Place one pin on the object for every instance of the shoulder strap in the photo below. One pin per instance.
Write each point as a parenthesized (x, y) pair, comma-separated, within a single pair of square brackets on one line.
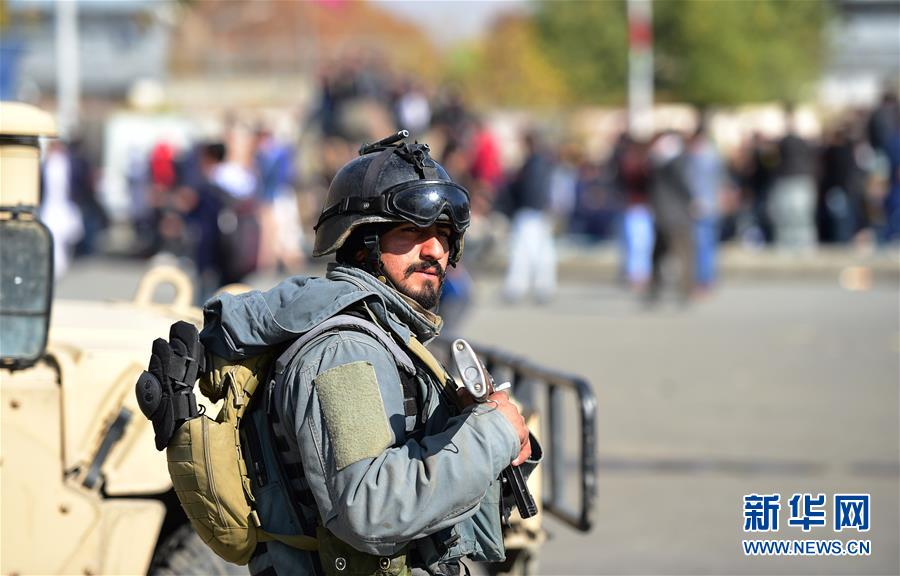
[(345, 321), (352, 322), (422, 353)]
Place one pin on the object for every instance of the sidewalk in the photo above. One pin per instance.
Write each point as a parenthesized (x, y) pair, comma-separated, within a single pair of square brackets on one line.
[(850, 266)]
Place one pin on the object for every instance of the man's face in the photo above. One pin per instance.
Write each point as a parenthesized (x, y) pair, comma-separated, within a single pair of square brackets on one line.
[(415, 260)]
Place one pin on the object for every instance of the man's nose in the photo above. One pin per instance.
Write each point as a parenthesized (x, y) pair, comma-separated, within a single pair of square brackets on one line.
[(433, 247)]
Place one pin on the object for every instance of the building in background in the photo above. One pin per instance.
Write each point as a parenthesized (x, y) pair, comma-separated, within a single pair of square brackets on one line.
[(864, 53), (119, 43)]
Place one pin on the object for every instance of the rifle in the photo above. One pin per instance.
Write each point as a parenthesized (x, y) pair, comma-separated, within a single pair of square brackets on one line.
[(480, 385)]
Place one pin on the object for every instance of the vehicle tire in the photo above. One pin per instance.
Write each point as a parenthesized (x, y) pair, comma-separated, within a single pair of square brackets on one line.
[(183, 553), (517, 563)]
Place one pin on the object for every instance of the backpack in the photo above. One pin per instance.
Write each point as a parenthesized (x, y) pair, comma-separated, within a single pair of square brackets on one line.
[(205, 460), (208, 471)]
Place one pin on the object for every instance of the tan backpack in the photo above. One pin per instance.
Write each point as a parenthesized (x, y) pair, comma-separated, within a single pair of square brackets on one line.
[(208, 469)]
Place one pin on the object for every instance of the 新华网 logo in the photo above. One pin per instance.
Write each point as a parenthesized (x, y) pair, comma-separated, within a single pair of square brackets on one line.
[(847, 512)]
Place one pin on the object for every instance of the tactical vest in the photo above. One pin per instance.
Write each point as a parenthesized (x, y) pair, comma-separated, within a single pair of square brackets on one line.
[(333, 556)]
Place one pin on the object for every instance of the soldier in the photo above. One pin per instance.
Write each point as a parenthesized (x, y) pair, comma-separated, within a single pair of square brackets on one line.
[(363, 445)]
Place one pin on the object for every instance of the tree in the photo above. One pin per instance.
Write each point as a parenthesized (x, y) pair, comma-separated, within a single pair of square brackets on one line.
[(705, 52), (710, 53), (508, 68), (587, 42)]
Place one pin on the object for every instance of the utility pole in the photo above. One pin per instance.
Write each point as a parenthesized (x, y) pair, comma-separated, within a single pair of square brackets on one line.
[(67, 61), (640, 69)]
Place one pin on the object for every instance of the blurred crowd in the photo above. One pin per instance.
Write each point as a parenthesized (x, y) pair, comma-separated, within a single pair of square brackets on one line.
[(676, 197), (228, 205), (245, 201)]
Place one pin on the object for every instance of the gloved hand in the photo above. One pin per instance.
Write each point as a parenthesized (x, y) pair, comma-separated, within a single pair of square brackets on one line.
[(165, 390)]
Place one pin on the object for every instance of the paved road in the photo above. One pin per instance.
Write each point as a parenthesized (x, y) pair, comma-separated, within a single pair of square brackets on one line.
[(777, 386)]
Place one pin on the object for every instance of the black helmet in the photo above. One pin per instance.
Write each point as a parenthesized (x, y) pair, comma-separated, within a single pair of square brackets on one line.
[(391, 181)]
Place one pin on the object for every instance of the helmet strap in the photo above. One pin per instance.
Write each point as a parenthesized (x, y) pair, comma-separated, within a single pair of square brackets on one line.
[(456, 249), (373, 255), (373, 172)]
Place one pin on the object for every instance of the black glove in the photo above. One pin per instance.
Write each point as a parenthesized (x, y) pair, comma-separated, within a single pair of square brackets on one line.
[(165, 390)]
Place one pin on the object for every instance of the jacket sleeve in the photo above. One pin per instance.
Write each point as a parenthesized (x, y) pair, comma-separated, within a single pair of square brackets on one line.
[(379, 497)]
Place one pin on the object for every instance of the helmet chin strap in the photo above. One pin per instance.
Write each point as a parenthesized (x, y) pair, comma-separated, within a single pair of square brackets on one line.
[(373, 257)]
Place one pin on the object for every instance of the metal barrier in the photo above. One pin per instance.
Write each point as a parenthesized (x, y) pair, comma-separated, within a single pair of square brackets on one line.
[(527, 379)]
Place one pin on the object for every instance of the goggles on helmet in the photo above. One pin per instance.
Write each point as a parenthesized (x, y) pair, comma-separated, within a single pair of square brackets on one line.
[(421, 202)]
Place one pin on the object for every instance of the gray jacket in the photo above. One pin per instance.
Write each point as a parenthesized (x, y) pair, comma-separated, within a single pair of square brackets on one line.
[(375, 486)]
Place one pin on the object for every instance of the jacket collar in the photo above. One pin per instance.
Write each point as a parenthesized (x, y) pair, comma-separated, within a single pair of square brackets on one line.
[(403, 315)]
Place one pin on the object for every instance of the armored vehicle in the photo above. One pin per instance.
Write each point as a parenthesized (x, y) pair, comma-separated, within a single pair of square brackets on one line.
[(83, 489)]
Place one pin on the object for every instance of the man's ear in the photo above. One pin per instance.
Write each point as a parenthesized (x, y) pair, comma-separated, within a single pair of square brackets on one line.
[(360, 255)]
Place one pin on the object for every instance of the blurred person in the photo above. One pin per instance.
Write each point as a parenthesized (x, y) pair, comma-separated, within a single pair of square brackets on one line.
[(456, 299), (412, 109), (883, 128), (532, 255), (84, 193), (369, 75), (758, 177), (597, 208), (883, 122), (224, 229), (454, 154), (474, 164), (705, 172), (792, 203), (235, 174), (162, 165), (140, 211), (564, 186), (450, 111), (360, 99), (240, 234), (279, 211), (327, 111), (891, 232), (167, 222), (486, 168), (840, 210), (638, 234), (337, 90), (238, 218), (203, 202), (58, 209), (673, 208), (733, 211)]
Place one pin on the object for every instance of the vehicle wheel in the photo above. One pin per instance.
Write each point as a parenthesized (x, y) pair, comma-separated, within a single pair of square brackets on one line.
[(183, 553), (517, 563)]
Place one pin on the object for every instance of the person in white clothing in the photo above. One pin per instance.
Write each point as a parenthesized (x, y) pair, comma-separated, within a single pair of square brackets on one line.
[(532, 258), (58, 211)]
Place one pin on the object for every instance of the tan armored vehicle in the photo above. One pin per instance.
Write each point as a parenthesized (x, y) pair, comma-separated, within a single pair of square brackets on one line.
[(83, 489)]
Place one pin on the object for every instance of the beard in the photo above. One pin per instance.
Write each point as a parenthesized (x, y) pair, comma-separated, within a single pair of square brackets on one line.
[(428, 295)]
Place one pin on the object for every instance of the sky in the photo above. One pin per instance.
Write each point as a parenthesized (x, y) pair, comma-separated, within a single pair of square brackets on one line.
[(448, 22)]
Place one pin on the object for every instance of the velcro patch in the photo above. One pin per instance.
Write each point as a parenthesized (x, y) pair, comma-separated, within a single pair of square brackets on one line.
[(354, 412)]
